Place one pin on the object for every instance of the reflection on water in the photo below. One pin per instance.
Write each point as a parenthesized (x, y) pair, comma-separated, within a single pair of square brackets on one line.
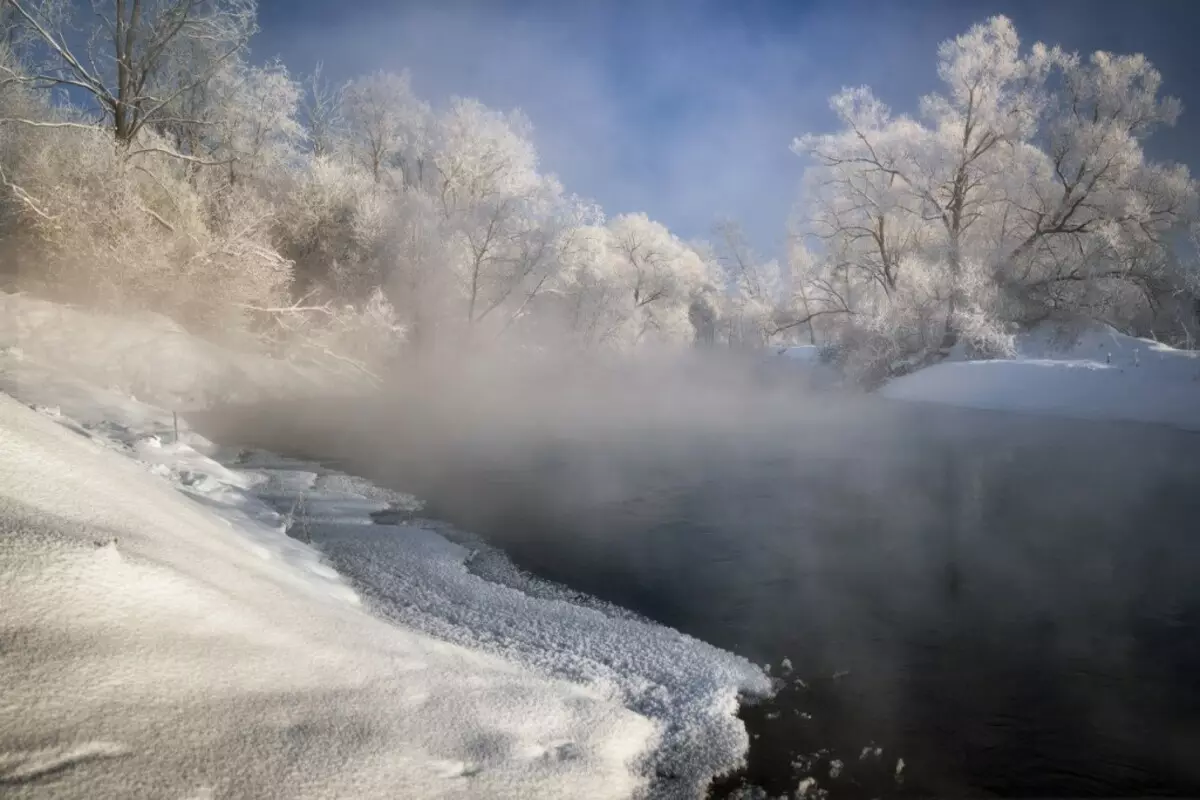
[(1009, 603)]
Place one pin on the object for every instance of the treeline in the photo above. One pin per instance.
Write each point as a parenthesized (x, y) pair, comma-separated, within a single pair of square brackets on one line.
[(1020, 193), (147, 163)]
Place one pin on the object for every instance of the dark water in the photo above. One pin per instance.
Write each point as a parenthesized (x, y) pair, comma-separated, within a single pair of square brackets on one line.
[(1010, 603)]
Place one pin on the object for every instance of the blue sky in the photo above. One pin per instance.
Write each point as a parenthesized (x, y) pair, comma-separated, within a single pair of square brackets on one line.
[(685, 110)]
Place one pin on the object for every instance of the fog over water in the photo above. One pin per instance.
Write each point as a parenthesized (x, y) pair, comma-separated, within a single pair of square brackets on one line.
[(627, 293), (1007, 601)]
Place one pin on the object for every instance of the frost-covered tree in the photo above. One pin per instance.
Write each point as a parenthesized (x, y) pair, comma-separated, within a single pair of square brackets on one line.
[(756, 307), (124, 233), (591, 305), (125, 67), (319, 221), (220, 191), (626, 283), (1019, 191), (322, 107), (503, 213), (106, 207), (1096, 214), (661, 276), (255, 128), (385, 124)]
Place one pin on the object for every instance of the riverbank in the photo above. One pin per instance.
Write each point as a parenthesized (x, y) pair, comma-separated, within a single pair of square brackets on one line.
[(1094, 372), (158, 589)]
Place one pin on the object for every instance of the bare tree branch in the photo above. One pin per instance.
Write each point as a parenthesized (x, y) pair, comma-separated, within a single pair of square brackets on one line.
[(25, 198), (180, 156), (40, 124)]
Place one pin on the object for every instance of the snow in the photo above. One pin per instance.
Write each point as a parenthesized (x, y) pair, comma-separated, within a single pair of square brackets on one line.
[(158, 651), (1097, 373), (166, 637)]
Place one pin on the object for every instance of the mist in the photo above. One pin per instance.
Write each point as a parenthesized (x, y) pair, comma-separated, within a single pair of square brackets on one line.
[(512, 407), (941, 563), (811, 388)]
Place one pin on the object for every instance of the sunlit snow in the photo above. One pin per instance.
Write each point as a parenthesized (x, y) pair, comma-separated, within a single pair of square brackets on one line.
[(172, 640), (1097, 374)]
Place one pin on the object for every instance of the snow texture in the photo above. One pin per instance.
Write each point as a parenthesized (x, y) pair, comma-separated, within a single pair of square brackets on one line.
[(156, 647), (164, 635), (417, 576), (1097, 373)]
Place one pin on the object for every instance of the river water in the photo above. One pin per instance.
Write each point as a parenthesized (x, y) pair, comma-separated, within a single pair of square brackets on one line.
[(1009, 603)]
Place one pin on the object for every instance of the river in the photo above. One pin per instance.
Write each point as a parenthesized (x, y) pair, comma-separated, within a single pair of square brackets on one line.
[(1009, 603)]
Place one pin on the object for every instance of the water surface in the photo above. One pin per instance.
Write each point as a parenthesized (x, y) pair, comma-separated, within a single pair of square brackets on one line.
[(1008, 602)]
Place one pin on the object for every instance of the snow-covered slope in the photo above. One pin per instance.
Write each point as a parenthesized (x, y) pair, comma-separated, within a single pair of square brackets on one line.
[(1098, 373), (154, 648), (165, 637)]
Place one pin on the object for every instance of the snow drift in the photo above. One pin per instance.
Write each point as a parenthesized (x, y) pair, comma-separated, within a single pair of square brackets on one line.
[(1098, 373), (166, 637), (155, 650)]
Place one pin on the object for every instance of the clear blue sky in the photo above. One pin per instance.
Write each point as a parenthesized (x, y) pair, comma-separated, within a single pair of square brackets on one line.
[(685, 110)]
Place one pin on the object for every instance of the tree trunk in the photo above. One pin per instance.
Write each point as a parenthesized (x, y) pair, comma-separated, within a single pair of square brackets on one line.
[(474, 294), (950, 331), (957, 301), (812, 332)]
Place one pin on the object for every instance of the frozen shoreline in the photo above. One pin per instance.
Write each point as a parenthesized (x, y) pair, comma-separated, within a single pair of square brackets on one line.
[(1097, 374), (157, 590)]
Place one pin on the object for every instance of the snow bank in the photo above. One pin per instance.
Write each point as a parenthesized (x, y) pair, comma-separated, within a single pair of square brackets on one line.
[(156, 649), (424, 575), (168, 638), (1097, 374)]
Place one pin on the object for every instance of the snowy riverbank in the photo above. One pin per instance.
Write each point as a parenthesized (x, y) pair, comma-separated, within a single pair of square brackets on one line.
[(175, 641), (1097, 374)]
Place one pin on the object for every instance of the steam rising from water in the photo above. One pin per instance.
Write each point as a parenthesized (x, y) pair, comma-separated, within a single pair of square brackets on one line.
[(1023, 577)]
